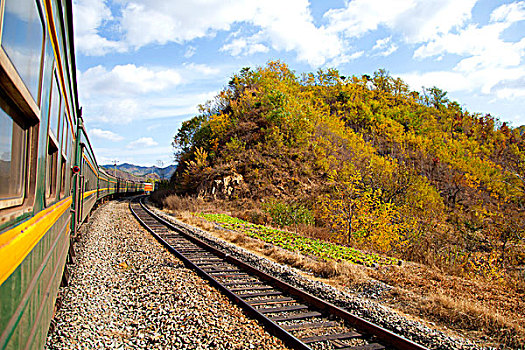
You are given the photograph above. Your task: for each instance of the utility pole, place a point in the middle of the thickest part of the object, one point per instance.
(114, 167)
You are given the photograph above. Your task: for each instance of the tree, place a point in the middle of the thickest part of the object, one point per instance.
(337, 207)
(382, 80)
(438, 97)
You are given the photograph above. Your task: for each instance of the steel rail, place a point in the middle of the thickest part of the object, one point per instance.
(385, 336)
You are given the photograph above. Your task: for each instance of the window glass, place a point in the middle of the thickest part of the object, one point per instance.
(13, 141)
(65, 144)
(63, 177)
(49, 60)
(51, 170)
(61, 129)
(22, 37)
(54, 109)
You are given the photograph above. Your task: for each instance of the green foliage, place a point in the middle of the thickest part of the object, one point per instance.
(192, 133)
(284, 214)
(296, 243)
(385, 168)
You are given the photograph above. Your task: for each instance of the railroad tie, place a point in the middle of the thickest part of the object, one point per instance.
(268, 310)
(299, 316)
(319, 338)
(310, 325)
(372, 346)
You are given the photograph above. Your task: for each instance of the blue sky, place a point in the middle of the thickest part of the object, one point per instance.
(145, 65)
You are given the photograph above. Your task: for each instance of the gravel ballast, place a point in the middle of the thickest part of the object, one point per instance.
(359, 304)
(126, 291)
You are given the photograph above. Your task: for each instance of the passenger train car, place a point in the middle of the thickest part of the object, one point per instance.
(49, 177)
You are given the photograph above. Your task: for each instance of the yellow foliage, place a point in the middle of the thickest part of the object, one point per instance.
(386, 165)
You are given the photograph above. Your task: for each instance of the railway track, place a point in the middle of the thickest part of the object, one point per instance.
(300, 320)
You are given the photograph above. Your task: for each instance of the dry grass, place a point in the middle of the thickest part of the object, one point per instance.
(489, 312)
(478, 308)
(343, 272)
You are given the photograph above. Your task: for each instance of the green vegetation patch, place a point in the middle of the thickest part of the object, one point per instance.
(294, 242)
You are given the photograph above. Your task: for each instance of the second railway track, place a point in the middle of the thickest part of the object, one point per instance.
(300, 320)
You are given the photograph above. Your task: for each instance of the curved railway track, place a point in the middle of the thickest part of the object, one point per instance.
(300, 320)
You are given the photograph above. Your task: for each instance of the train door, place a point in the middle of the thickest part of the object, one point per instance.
(81, 196)
(80, 179)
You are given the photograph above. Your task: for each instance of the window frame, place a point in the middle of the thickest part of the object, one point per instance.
(25, 111)
(9, 111)
(53, 178)
(62, 176)
(64, 148)
(61, 103)
(51, 171)
(16, 87)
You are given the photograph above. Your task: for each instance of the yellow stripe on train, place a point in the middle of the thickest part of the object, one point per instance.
(18, 242)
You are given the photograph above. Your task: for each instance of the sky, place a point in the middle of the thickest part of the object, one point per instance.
(144, 66)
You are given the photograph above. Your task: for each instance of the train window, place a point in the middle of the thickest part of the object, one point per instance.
(22, 39)
(51, 169)
(63, 177)
(54, 109)
(61, 129)
(13, 149)
(63, 167)
(65, 143)
(53, 149)
(47, 75)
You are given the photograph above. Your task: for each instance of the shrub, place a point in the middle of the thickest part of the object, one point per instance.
(158, 196)
(288, 214)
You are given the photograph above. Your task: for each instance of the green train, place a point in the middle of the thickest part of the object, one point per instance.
(49, 177)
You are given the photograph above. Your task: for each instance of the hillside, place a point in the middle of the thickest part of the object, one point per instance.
(384, 168)
(365, 162)
(151, 172)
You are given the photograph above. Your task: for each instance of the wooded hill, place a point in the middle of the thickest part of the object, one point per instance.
(413, 175)
(143, 172)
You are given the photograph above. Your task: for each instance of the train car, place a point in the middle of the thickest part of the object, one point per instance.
(37, 122)
(49, 177)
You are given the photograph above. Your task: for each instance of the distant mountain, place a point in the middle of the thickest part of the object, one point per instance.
(151, 172)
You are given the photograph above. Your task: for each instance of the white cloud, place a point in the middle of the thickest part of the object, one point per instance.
(145, 22)
(106, 134)
(201, 68)
(128, 79)
(509, 13)
(382, 43)
(510, 93)
(176, 105)
(390, 50)
(89, 17)
(415, 20)
(245, 46)
(385, 47)
(483, 44)
(496, 83)
(343, 59)
(142, 142)
(159, 21)
(123, 94)
(190, 51)
(488, 62)
(291, 28)
(126, 92)
(448, 81)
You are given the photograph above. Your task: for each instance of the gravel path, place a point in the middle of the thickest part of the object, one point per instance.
(361, 305)
(127, 291)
